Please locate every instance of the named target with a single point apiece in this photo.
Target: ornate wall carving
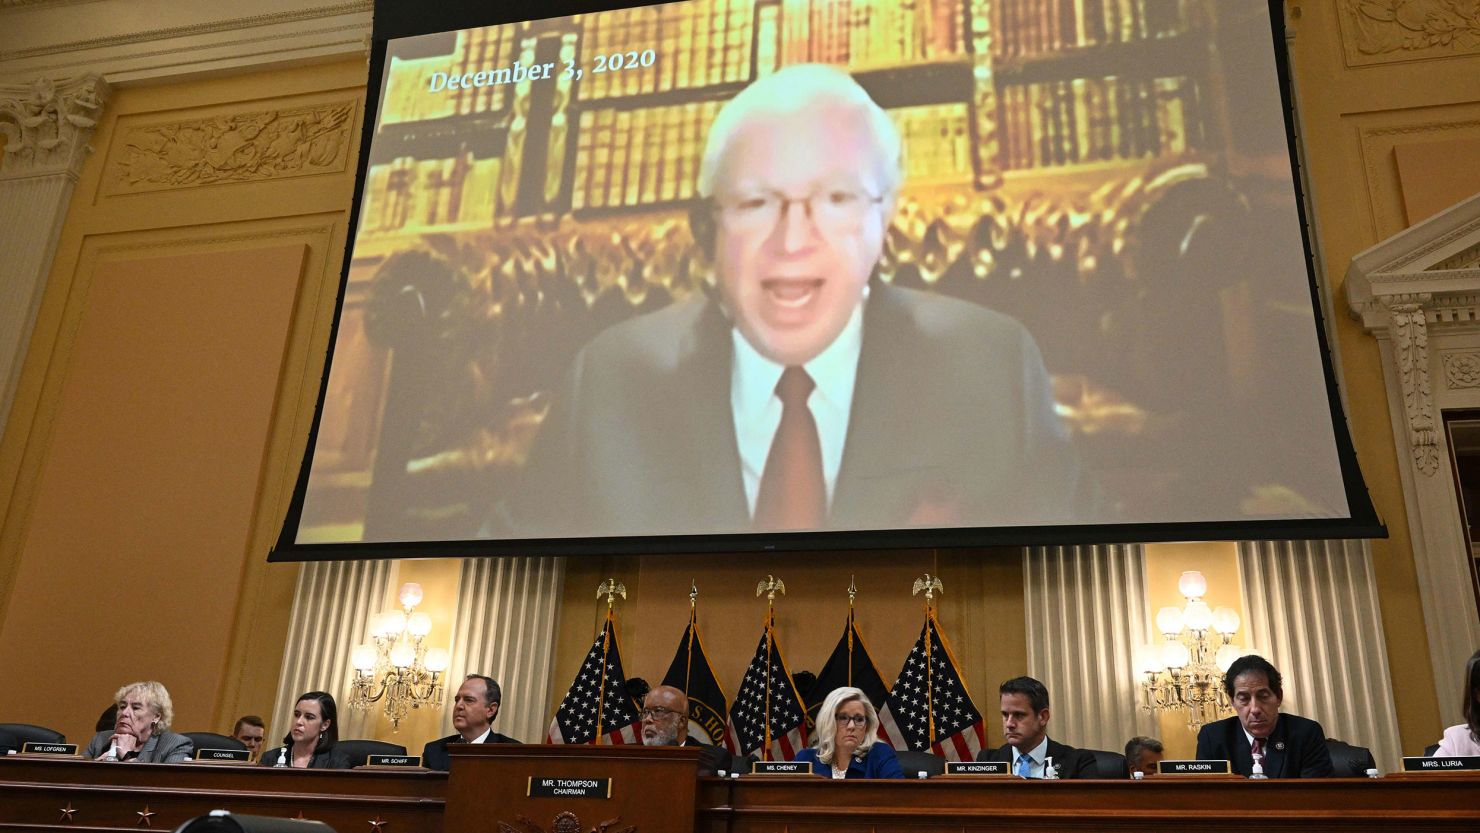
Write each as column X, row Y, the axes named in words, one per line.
column 46, row 124
column 241, row 147
column 1385, row 31
column 1409, row 330
column 1461, row 369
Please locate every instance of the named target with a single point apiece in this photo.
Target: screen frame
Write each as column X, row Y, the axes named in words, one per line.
column 394, row 19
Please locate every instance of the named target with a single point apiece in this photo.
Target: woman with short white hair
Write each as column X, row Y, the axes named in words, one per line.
column 848, row 744
column 141, row 731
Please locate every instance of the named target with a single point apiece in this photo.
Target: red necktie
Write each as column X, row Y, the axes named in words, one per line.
column 1257, row 750
column 793, row 494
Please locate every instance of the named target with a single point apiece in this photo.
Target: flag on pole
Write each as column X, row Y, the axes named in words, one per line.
column 929, row 707
column 598, row 707
column 691, row 673
column 767, row 719
column 851, row 665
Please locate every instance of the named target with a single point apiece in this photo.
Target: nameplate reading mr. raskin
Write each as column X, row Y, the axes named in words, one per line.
column 570, row 788
column 34, row 748
column 394, row 760
column 235, row 755
column 978, row 768
column 1449, row 764
column 780, row 768
column 1192, row 767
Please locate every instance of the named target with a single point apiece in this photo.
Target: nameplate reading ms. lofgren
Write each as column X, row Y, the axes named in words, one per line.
column 978, row 768
column 569, row 787
column 1193, row 768
column 34, row 748
column 393, row 760
column 1451, row 764
column 237, row 755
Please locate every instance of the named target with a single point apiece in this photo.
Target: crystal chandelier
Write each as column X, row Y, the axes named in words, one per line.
column 1185, row 672
column 395, row 666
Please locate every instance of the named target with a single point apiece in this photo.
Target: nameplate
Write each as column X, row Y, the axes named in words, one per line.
column 393, row 760
column 1456, row 764
column 234, row 755
column 780, row 768
column 1193, row 768
column 34, row 748
column 978, row 768
column 569, row 788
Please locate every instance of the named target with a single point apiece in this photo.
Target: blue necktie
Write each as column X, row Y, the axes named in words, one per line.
column 1025, row 766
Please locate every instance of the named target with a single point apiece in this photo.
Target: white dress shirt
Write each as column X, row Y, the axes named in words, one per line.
column 1037, row 756
column 757, row 409
column 483, row 738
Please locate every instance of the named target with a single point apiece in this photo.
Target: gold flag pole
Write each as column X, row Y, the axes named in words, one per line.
column 931, row 585
column 611, row 588
column 852, row 594
column 688, row 665
column 771, row 586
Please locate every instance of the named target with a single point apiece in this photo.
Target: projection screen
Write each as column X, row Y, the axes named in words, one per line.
column 811, row 274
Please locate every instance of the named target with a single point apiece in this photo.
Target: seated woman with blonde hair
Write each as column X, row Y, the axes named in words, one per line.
column 141, row 730
column 848, row 740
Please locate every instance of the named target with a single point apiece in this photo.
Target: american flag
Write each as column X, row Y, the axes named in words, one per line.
column 929, row 707
column 598, row 708
column 768, row 700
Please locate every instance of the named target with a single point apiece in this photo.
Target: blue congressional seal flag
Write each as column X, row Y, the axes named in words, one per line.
column 691, row 673
column 598, row 707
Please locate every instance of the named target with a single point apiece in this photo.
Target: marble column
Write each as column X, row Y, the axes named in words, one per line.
column 46, row 126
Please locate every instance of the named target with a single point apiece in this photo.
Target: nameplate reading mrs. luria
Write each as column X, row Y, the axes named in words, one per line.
column 393, row 760
column 780, row 768
column 1193, row 768
column 569, row 788
column 235, row 755
column 1453, row 764
column 978, row 768
column 34, row 748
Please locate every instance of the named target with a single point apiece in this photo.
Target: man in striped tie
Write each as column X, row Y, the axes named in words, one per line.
column 1282, row 745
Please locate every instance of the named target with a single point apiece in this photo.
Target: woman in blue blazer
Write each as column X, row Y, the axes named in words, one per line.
column 848, row 743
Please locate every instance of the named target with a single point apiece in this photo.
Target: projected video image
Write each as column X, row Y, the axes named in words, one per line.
column 726, row 266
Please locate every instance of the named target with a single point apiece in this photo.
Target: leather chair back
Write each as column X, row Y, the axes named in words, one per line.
column 211, row 740
column 913, row 762
column 1109, row 765
column 357, row 751
column 27, row 733
column 1349, row 761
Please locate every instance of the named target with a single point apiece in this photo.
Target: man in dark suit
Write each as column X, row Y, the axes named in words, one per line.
column 1285, row 745
column 474, row 708
column 1025, row 716
column 805, row 393
column 665, row 718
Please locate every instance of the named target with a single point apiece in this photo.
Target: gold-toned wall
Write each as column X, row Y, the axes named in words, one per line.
column 1371, row 85
column 167, row 395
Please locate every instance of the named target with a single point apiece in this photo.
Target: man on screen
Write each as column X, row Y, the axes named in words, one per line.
column 807, row 394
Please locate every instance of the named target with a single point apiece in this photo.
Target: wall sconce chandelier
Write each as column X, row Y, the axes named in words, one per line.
column 396, row 666
column 1185, row 672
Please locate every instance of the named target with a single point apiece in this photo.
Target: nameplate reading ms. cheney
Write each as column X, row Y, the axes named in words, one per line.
column 570, row 787
column 978, row 768
column 1454, row 764
column 34, row 748
column 780, row 768
column 1192, row 767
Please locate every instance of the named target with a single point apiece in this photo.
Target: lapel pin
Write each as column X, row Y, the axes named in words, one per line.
column 1280, row 745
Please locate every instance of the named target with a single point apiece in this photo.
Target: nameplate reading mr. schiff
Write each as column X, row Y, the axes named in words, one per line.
column 1456, row 764
column 978, row 768
column 570, row 788
column 1192, row 767
column 34, row 748
column 780, row 768
column 231, row 755
column 393, row 760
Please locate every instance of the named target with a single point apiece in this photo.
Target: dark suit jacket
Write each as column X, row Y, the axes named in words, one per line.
column 333, row 759
column 436, row 756
column 1070, row 762
column 1295, row 749
column 952, row 423
column 880, row 762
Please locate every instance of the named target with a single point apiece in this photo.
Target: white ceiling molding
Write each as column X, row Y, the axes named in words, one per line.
column 137, row 40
